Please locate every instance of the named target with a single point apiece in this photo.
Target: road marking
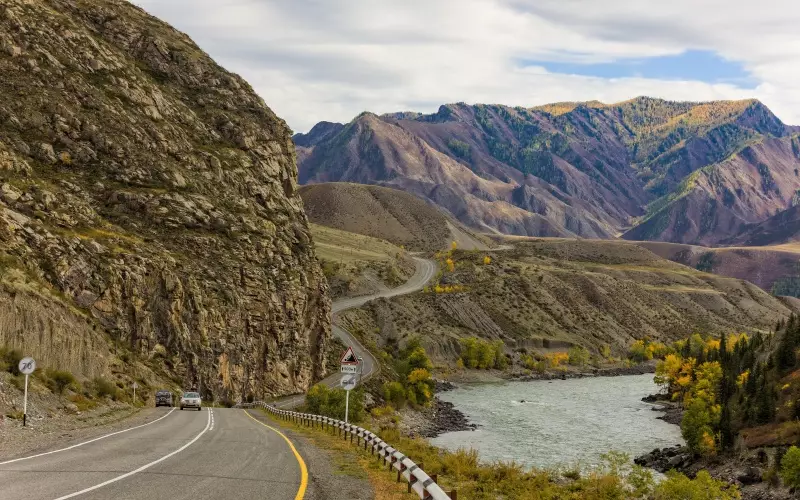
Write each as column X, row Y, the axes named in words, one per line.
column 87, row 442
column 140, row 469
column 210, row 410
column 303, row 470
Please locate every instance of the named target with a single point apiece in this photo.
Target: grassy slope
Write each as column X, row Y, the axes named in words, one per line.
column 355, row 264
column 572, row 291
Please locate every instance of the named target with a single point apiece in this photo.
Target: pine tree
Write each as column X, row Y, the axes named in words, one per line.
column 726, row 434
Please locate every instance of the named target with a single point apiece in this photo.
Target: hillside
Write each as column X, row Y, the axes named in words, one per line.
column 558, row 292
column 383, row 213
column 150, row 226
column 649, row 168
column 783, row 227
column 762, row 266
column 355, row 264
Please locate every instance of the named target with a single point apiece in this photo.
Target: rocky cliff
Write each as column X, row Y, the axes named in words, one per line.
column 149, row 215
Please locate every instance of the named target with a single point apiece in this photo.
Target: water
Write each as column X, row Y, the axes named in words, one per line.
column 562, row 422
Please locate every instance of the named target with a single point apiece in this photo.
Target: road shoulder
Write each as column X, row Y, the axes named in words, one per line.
column 334, row 472
column 45, row 435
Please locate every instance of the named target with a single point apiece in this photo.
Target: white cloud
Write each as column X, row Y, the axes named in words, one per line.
column 315, row 60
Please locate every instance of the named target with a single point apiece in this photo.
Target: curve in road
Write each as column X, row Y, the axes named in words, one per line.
column 425, row 271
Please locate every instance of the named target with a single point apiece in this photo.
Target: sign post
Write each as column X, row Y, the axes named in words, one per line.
column 349, row 366
column 348, row 383
column 26, row 366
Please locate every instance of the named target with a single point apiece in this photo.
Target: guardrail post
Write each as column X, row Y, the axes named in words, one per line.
column 454, row 495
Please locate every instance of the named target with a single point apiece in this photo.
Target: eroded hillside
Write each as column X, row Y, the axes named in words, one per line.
column 148, row 208
column 558, row 293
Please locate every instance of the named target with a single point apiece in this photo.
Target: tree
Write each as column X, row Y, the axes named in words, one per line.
column 487, row 260
column 394, row 393
column 790, row 467
column 578, row 355
column 420, row 387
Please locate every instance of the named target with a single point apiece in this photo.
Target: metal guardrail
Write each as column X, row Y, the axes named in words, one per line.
column 418, row 481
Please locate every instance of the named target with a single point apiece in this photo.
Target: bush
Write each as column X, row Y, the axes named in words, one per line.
column 9, row 360
column 790, row 467
column 482, row 354
column 703, row 487
column 104, row 388
column 59, row 380
column 321, row 400
column 578, row 356
column 394, row 393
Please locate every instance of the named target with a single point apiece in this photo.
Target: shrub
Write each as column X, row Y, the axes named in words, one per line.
column 59, row 380
column 322, row 400
column 394, row 393
column 104, row 388
column 578, row 356
column 9, row 359
column 479, row 353
column 678, row 486
column 790, row 467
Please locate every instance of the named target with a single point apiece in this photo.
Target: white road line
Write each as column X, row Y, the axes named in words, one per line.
column 212, row 419
column 140, row 469
column 87, row 442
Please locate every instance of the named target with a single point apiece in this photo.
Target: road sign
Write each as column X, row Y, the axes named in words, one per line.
column 349, row 369
column 349, row 357
column 27, row 366
column 348, row 382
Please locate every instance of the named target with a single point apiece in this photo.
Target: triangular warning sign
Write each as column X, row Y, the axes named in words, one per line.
column 349, row 357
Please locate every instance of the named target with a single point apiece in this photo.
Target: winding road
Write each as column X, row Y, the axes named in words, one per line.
column 214, row 453
column 426, row 270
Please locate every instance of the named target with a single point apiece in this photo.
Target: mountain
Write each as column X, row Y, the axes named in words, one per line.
column 763, row 266
column 384, row 213
column 783, row 227
column 150, row 222
column 646, row 168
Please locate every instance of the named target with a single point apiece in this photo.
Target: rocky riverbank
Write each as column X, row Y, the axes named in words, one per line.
column 640, row 369
column 439, row 418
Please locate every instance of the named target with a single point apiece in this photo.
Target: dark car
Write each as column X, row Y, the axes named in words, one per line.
column 163, row 398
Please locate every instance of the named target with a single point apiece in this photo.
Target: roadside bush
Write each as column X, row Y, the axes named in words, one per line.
column 104, row 388
column 790, row 467
column 578, row 356
column 420, row 387
column 394, row 393
column 59, row 380
column 9, row 360
column 322, row 400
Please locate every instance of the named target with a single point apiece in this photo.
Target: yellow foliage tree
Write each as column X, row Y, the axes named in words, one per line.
column 453, row 245
column 451, row 266
column 487, row 260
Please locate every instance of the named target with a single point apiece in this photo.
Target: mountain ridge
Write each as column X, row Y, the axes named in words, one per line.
column 567, row 169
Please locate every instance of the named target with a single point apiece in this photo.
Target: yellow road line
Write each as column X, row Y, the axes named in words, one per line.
column 303, row 470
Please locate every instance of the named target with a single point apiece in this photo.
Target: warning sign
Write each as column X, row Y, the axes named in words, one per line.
column 349, row 357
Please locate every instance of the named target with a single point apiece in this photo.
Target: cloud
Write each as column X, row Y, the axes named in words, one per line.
column 315, row 60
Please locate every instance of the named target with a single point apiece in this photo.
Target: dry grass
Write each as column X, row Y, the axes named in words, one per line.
column 342, row 246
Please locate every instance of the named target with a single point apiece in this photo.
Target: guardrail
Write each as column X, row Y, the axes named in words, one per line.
column 418, row 481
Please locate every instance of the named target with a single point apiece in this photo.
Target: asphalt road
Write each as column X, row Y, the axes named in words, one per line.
column 426, row 270
column 210, row 454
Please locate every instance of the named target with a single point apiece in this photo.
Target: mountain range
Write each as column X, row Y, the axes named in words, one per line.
column 710, row 173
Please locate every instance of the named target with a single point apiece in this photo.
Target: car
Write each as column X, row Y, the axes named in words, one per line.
column 163, row 398
column 191, row 400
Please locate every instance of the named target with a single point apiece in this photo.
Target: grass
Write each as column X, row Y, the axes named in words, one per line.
column 342, row 246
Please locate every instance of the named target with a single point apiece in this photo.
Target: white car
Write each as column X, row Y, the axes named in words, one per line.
column 190, row 400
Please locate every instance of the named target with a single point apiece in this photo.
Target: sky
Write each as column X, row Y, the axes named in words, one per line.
column 315, row 60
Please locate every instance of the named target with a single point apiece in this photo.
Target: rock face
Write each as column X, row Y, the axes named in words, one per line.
column 150, row 196
column 652, row 169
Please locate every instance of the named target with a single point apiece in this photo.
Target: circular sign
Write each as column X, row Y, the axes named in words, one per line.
column 27, row 366
column 348, row 382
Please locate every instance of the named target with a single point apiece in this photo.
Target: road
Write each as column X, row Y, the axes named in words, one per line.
column 426, row 270
column 213, row 453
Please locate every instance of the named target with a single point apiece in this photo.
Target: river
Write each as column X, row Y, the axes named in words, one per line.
column 561, row 423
